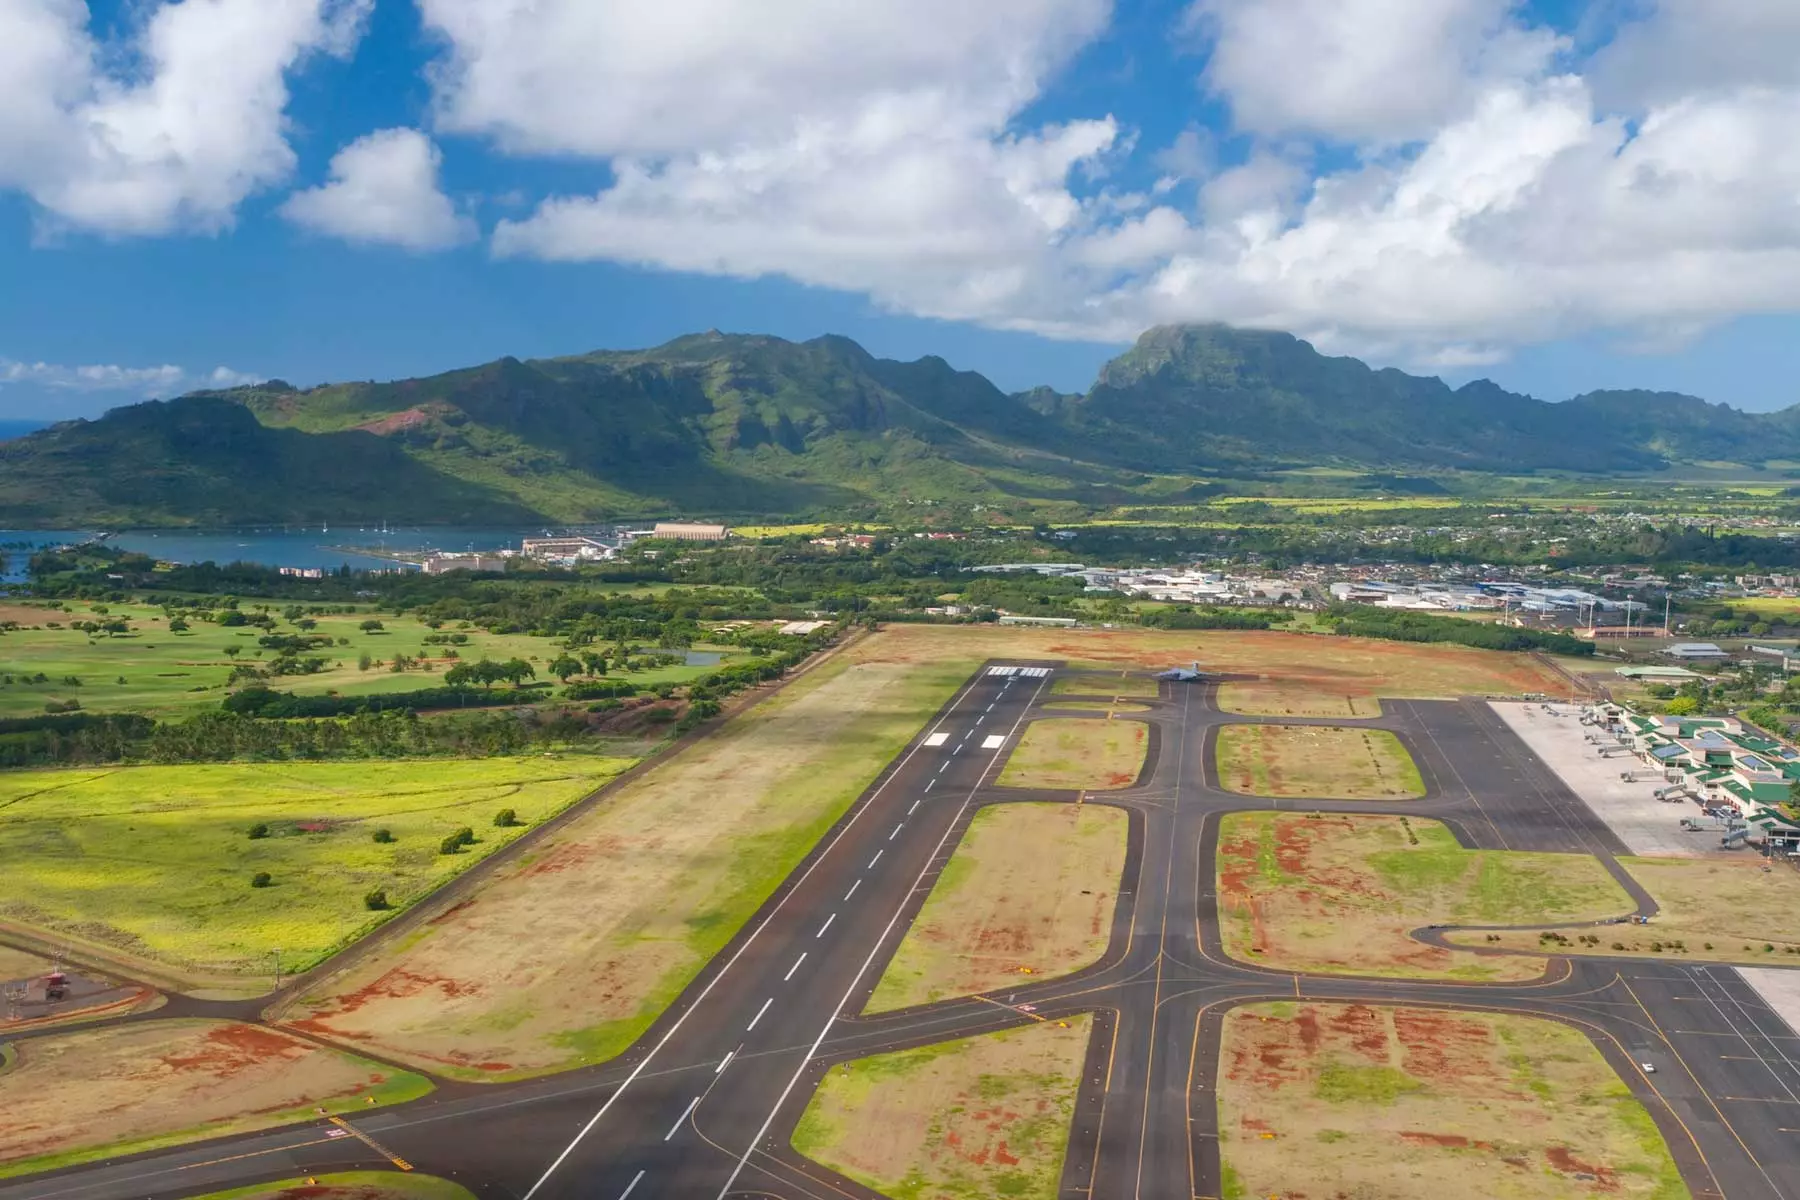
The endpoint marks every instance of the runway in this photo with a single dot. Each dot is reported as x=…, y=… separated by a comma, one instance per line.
x=705, y=1103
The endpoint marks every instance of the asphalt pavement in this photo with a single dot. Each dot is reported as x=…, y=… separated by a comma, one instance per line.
x=705, y=1104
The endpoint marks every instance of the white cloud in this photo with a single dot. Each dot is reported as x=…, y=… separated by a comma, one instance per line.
x=1362, y=70
x=1699, y=46
x=166, y=380
x=383, y=189
x=170, y=129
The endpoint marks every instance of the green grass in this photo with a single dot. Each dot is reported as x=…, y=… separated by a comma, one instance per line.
x=376, y=1185
x=1077, y=753
x=155, y=862
x=1350, y=1083
x=177, y=674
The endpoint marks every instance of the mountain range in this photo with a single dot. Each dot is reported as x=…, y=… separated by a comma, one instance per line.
x=736, y=425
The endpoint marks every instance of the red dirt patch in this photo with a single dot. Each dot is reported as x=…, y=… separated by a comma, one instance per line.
x=234, y=1048
x=1604, y=1179
x=1438, y=1047
x=398, y=422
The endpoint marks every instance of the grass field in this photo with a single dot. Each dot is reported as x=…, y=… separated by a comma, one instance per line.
x=982, y=1117
x=1103, y=683
x=1272, y=698
x=1319, y=663
x=350, y=1185
x=1105, y=706
x=565, y=956
x=154, y=863
x=102, y=1093
x=174, y=674
x=1316, y=762
x=1077, y=753
x=16, y=964
x=1029, y=894
x=1416, y=1104
x=1338, y=895
x=1721, y=907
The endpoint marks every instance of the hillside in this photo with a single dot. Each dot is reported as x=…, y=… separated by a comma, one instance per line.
x=753, y=425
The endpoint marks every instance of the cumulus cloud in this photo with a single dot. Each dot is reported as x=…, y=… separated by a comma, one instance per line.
x=169, y=129
x=164, y=380
x=383, y=189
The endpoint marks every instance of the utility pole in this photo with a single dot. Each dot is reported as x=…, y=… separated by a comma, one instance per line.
x=278, y=969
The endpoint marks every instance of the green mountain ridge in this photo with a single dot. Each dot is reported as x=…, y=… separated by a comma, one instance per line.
x=756, y=425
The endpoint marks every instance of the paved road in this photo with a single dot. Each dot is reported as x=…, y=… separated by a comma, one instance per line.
x=705, y=1104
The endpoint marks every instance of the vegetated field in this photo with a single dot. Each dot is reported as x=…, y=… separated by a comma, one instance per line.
x=1338, y=894
x=985, y=1116
x=1103, y=683
x=152, y=865
x=106, y=1092
x=1273, y=698
x=176, y=674
x=1028, y=894
x=1726, y=907
x=1323, y=663
x=1418, y=1103
x=1105, y=706
x=1077, y=753
x=16, y=964
x=565, y=956
x=350, y=1185
x=1316, y=762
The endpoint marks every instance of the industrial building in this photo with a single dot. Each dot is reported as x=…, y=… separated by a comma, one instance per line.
x=684, y=531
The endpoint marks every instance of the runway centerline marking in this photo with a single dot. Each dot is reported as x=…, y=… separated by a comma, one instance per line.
x=795, y=967
x=825, y=926
x=632, y=1186
x=860, y=809
x=726, y=1061
x=685, y=1114
x=852, y=890
x=897, y=829
x=913, y=809
x=876, y=859
x=856, y=982
x=759, y=1014
x=930, y=783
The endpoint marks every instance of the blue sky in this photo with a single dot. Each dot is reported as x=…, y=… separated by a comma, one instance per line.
x=377, y=188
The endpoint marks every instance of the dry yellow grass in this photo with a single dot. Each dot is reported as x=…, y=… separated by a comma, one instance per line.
x=563, y=957
x=16, y=964
x=76, y=1096
x=1272, y=698
x=1076, y=753
x=1339, y=895
x=1104, y=683
x=1029, y=894
x=1417, y=1104
x=1724, y=907
x=982, y=1117
x=1316, y=762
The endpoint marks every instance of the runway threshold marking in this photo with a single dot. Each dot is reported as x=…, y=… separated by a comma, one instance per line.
x=632, y=1186
x=937, y=739
x=759, y=1014
x=370, y=1142
x=795, y=967
x=993, y=741
x=685, y=1114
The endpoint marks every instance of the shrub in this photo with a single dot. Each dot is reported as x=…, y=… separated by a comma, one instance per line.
x=384, y=836
x=377, y=901
x=450, y=845
x=258, y=831
x=1618, y=945
x=506, y=818
x=262, y=879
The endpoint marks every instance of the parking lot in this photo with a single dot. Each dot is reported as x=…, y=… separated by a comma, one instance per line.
x=1645, y=824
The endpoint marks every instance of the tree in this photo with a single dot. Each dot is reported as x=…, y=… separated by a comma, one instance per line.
x=261, y=879
x=233, y=651
x=178, y=625
x=1682, y=706
x=563, y=666
x=384, y=836
x=595, y=663
x=363, y=661
x=371, y=626
x=258, y=831
x=376, y=900
x=506, y=818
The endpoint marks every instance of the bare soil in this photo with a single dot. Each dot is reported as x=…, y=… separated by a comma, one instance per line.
x=168, y=1081
x=1029, y=894
x=1415, y=1104
x=985, y=1116
x=1275, y=698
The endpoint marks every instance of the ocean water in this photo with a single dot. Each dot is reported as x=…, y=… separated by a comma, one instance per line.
x=359, y=547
